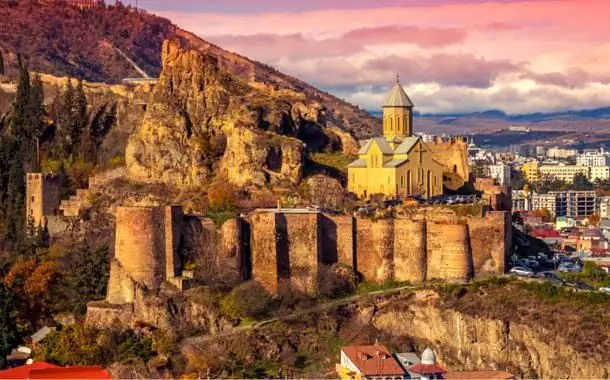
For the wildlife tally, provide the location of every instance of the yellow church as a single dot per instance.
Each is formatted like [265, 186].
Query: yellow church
[397, 164]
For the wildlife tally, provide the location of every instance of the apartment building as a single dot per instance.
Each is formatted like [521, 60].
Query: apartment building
[557, 152]
[563, 172]
[531, 170]
[521, 200]
[545, 202]
[593, 158]
[571, 204]
[501, 173]
[601, 173]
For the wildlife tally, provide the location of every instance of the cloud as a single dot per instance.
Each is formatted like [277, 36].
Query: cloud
[273, 47]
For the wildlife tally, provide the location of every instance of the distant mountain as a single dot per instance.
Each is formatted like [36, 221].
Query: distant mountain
[450, 118]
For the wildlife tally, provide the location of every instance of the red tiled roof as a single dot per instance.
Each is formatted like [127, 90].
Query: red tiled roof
[370, 362]
[93, 372]
[426, 369]
[478, 375]
[542, 233]
[23, 372]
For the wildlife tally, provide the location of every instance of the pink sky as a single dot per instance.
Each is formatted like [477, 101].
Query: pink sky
[452, 56]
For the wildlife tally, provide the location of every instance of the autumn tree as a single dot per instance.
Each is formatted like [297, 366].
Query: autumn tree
[222, 196]
[594, 219]
[249, 300]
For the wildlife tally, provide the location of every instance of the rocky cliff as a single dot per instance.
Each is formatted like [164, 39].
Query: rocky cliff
[202, 120]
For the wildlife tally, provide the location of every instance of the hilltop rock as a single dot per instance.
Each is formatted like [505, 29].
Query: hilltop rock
[202, 120]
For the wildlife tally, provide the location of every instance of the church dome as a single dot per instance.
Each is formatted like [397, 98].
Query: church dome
[428, 357]
[398, 97]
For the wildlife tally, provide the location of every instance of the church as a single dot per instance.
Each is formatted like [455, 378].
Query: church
[396, 164]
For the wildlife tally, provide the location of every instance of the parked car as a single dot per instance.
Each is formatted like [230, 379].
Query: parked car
[605, 290]
[532, 263]
[553, 278]
[569, 267]
[522, 271]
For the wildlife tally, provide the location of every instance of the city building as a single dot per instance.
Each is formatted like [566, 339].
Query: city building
[501, 173]
[369, 362]
[575, 204]
[563, 172]
[519, 128]
[521, 200]
[42, 370]
[599, 173]
[557, 152]
[545, 202]
[604, 207]
[531, 170]
[540, 151]
[397, 163]
[593, 158]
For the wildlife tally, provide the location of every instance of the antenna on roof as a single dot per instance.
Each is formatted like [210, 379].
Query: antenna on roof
[397, 78]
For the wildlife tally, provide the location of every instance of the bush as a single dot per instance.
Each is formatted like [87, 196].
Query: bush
[222, 197]
[336, 281]
[247, 300]
[117, 161]
[80, 171]
[74, 345]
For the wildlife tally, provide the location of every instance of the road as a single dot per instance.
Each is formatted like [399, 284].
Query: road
[197, 341]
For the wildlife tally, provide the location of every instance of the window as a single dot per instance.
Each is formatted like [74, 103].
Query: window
[32, 200]
[402, 181]
[31, 211]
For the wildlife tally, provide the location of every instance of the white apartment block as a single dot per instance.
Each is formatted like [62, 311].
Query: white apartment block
[501, 173]
[562, 172]
[604, 208]
[557, 152]
[588, 158]
[601, 173]
[545, 202]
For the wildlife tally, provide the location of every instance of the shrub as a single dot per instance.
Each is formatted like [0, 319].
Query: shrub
[117, 161]
[222, 196]
[336, 281]
[247, 300]
[80, 171]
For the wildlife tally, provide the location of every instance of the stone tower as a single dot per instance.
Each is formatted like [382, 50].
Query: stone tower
[42, 197]
[397, 114]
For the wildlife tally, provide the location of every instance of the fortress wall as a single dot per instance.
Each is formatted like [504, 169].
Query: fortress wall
[51, 196]
[231, 256]
[264, 251]
[121, 288]
[383, 250]
[490, 239]
[449, 253]
[174, 219]
[140, 244]
[409, 251]
[452, 153]
[338, 239]
[303, 235]
[366, 261]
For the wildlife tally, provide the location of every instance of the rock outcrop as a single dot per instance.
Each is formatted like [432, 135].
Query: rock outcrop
[203, 120]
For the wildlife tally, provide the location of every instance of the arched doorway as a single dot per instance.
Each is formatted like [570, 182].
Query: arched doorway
[429, 188]
[455, 168]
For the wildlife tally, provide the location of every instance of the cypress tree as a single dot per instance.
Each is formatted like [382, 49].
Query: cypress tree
[20, 115]
[65, 120]
[9, 335]
[36, 116]
[1, 63]
[79, 119]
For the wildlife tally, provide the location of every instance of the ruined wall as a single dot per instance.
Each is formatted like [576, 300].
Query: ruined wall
[121, 287]
[409, 251]
[232, 252]
[173, 231]
[338, 240]
[303, 251]
[366, 260]
[453, 154]
[449, 256]
[490, 240]
[383, 250]
[264, 251]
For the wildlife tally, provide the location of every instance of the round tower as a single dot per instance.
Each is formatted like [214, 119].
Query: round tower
[456, 258]
[140, 246]
[409, 251]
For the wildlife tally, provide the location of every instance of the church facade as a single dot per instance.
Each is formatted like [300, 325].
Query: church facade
[396, 164]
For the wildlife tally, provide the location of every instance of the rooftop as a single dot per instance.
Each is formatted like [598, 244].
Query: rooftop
[373, 360]
[398, 97]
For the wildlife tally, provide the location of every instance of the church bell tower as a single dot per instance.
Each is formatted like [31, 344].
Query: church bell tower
[397, 114]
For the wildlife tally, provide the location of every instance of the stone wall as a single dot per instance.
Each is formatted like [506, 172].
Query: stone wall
[302, 251]
[365, 262]
[409, 251]
[453, 154]
[338, 240]
[121, 287]
[264, 251]
[490, 239]
[42, 197]
[232, 256]
[448, 255]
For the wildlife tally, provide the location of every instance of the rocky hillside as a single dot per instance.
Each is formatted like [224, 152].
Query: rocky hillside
[84, 43]
[203, 120]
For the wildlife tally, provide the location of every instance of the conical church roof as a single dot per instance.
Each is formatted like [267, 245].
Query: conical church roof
[398, 97]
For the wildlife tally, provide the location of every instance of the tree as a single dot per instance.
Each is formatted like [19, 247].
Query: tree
[9, 335]
[581, 182]
[594, 219]
[248, 300]
[21, 107]
[65, 121]
[74, 345]
[222, 196]
[36, 115]
[79, 117]
[1, 63]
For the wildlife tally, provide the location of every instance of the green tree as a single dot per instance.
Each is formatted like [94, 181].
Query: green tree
[72, 346]
[65, 121]
[248, 300]
[19, 119]
[1, 63]
[79, 117]
[9, 335]
[581, 182]
[36, 117]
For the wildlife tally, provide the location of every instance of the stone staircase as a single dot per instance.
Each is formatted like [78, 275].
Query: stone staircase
[78, 203]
